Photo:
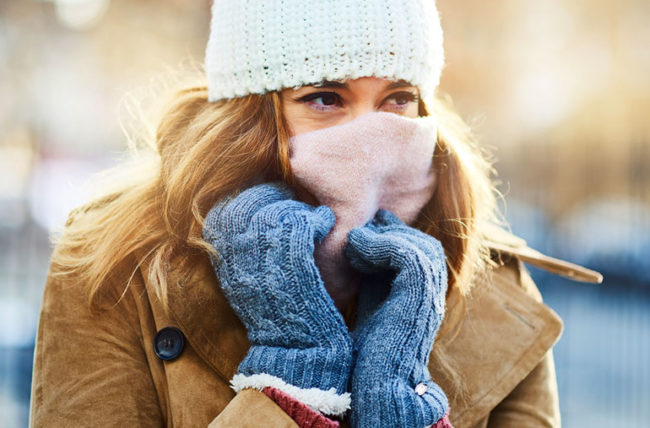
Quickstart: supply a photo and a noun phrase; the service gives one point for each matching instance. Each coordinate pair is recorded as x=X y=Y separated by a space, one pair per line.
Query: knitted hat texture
x=256 y=46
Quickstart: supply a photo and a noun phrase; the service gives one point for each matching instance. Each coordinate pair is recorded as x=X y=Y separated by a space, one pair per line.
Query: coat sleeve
x=248 y=408
x=533 y=403
x=90 y=369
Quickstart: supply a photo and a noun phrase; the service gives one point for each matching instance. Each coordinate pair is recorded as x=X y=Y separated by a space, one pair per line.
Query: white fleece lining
x=326 y=402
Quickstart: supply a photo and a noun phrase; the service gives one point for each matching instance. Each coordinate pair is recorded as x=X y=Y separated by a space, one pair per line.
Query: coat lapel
x=204 y=315
x=505 y=333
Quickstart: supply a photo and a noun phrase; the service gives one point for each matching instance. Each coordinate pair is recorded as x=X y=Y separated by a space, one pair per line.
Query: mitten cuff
x=327 y=402
x=318 y=367
x=397 y=403
x=431 y=400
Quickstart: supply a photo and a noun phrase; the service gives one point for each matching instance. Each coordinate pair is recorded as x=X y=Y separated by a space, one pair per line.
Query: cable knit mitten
x=391 y=385
x=299 y=341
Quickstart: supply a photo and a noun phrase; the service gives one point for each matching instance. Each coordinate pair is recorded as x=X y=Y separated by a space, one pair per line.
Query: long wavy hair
x=201 y=151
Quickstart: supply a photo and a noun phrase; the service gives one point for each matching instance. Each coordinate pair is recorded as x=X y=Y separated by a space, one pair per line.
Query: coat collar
x=505 y=333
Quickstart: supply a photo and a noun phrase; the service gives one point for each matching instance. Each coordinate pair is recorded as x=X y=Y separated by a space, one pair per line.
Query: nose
x=361 y=107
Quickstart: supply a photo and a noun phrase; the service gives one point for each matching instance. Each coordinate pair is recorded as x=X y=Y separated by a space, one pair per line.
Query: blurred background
x=560 y=90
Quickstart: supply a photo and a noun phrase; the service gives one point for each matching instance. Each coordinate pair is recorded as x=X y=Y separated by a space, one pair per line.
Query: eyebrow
x=342 y=85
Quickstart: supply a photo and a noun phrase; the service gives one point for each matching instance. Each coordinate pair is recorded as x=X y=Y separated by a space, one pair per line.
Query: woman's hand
x=391 y=385
x=265 y=243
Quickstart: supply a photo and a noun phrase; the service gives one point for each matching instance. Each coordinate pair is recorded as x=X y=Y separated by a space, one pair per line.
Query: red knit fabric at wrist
x=443 y=423
x=303 y=415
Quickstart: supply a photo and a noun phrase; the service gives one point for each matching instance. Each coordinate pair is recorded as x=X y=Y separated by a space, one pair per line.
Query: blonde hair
x=203 y=151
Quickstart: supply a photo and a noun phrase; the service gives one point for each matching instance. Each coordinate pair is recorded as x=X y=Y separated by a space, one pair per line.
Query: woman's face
x=333 y=103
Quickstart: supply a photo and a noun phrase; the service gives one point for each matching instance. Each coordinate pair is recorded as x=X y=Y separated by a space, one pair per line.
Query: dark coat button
x=168 y=343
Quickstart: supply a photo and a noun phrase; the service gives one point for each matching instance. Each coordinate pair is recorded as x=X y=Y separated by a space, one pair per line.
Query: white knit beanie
x=256 y=46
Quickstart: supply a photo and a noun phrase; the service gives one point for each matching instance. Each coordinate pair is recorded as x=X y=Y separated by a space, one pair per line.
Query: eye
x=402 y=98
x=322 y=100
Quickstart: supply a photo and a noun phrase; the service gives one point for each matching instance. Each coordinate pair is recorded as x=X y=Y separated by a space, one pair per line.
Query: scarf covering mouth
x=376 y=161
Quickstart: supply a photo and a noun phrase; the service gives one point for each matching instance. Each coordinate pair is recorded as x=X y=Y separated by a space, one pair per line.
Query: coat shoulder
x=76 y=260
x=505 y=245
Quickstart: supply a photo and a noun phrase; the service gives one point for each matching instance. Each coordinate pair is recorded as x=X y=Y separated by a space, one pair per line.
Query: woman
x=301 y=249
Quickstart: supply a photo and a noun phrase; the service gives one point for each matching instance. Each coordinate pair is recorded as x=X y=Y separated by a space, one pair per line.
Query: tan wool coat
x=98 y=368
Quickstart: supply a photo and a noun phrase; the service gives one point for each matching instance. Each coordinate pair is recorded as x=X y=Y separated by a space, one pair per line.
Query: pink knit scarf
x=378 y=160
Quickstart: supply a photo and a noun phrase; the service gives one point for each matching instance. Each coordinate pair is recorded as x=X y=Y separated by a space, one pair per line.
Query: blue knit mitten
x=391 y=385
x=299 y=341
